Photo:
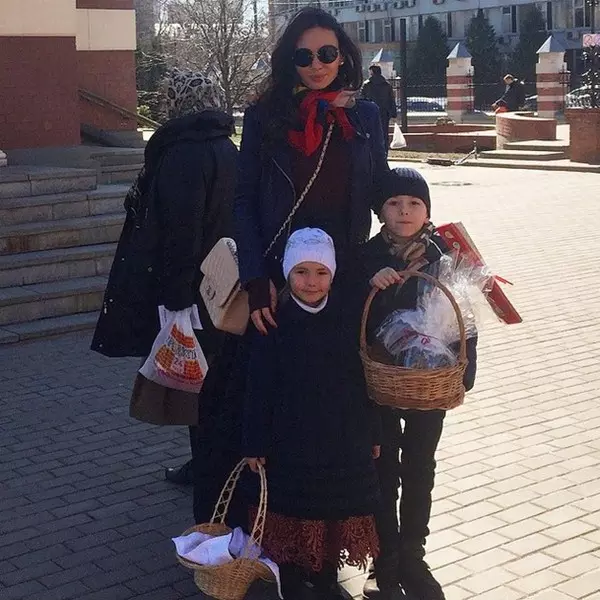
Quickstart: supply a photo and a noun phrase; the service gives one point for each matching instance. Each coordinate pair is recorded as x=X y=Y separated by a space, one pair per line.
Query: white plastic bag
x=398 y=141
x=176 y=360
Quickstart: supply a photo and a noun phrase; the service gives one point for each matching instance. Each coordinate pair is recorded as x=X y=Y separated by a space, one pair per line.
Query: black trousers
x=385 y=129
x=415 y=434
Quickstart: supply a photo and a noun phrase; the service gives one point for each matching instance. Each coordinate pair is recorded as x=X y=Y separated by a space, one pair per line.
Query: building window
x=581 y=14
x=376 y=31
x=389 y=30
x=509 y=19
x=351 y=28
x=420 y=22
x=449 y=31
x=549 y=19
x=363 y=32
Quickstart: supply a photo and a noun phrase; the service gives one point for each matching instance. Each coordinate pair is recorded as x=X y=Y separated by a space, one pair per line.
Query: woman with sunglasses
x=309 y=157
x=316 y=71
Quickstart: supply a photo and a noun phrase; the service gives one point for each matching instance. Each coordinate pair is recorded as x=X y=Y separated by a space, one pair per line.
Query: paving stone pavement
x=85 y=513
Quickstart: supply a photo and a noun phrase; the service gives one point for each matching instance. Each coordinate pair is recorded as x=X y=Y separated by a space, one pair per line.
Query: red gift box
x=456 y=237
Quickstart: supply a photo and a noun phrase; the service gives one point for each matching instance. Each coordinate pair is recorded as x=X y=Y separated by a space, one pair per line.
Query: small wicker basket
x=420 y=389
x=232 y=580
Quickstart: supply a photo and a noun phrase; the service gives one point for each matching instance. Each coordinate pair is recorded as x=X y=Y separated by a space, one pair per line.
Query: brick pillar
x=551 y=70
x=459 y=75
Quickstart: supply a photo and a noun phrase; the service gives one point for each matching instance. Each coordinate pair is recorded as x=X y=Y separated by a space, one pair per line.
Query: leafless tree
x=227 y=37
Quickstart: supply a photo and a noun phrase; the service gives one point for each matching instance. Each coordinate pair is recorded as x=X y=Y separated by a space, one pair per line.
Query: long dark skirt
x=216 y=445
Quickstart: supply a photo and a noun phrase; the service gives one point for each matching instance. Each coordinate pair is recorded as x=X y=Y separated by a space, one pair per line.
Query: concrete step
x=27 y=303
x=65 y=233
x=544 y=165
x=125 y=174
x=44 y=266
x=22 y=181
x=41 y=328
x=539 y=145
x=118 y=156
x=105 y=199
x=538 y=155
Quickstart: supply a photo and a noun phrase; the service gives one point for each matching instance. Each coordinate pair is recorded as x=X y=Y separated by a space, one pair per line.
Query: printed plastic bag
x=176 y=360
x=398 y=140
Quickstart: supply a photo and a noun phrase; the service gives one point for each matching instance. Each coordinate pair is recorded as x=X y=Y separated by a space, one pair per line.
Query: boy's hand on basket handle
x=376 y=452
x=253 y=463
x=384 y=278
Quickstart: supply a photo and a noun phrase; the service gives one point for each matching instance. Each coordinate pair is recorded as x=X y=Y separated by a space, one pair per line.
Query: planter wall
x=523 y=126
x=585 y=134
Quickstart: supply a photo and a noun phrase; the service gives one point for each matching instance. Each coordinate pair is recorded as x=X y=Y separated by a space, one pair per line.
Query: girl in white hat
x=306 y=419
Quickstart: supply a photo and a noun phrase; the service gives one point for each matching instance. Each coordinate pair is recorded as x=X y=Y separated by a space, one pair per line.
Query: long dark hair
x=277 y=98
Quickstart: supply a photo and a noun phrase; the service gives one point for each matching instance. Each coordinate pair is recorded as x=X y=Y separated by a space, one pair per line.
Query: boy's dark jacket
x=308 y=412
x=182 y=206
x=374 y=256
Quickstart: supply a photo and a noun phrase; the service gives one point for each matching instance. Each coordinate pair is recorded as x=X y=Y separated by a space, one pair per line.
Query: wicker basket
x=232 y=580
x=420 y=389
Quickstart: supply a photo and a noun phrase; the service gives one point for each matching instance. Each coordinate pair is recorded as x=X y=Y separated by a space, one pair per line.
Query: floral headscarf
x=189 y=93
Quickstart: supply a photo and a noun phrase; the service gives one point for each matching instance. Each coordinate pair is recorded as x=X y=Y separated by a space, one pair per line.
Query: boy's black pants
x=416 y=434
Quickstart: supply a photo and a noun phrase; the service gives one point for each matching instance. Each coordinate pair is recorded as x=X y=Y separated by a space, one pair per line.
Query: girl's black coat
x=308 y=413
x=185 y=207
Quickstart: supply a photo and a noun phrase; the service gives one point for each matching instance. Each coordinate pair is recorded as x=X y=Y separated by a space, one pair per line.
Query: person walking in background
x=179 y=206
x=514 y=95
x=378 y=90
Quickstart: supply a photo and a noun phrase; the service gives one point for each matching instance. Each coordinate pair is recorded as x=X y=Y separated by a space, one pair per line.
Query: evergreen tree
x=482 y=44
x=429 y=58
x=531 y=36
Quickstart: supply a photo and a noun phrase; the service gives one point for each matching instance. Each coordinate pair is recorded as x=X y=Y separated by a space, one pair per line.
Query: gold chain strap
x=304 y=193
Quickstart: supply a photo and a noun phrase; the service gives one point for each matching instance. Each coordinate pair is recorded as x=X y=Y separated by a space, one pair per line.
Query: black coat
x=183 y=207
x=307 y=411
x=266 y=193
x=378 y=90
x=375 y=256
x=514 y=96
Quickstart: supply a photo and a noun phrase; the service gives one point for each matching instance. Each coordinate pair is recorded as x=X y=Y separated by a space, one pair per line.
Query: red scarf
x=309 y=140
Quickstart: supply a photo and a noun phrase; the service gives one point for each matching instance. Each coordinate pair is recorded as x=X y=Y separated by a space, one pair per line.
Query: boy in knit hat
x=407 y=241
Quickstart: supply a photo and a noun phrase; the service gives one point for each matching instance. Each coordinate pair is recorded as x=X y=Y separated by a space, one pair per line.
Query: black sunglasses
x=303 y=57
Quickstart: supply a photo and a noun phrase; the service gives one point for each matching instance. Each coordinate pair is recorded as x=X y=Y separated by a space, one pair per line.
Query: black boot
x=293 y=583
x=325 y=584
x=382 y=580
x=183 y=475
x=416 y=577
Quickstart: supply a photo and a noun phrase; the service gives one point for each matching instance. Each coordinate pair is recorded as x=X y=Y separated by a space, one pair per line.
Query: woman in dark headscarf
x=180 y=205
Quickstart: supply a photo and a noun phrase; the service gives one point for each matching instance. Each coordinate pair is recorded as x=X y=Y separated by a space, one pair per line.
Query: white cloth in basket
x=206 y=549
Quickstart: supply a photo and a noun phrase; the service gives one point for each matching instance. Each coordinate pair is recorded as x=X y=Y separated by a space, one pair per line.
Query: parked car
x=423 y=104
x=531 y=103
x=579 y=98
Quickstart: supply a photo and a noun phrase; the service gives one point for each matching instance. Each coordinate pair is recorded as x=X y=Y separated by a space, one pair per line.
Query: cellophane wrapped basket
x=408 y=388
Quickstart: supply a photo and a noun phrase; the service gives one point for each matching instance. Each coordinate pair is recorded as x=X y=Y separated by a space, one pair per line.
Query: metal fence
x=422 y=99
x=428 y=100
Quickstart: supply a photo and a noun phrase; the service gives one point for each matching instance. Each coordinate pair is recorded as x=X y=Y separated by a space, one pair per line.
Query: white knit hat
x=309 y=245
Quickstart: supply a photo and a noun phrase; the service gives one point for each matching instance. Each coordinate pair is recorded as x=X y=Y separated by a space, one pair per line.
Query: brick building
x=376 y=23
x=53 y=52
